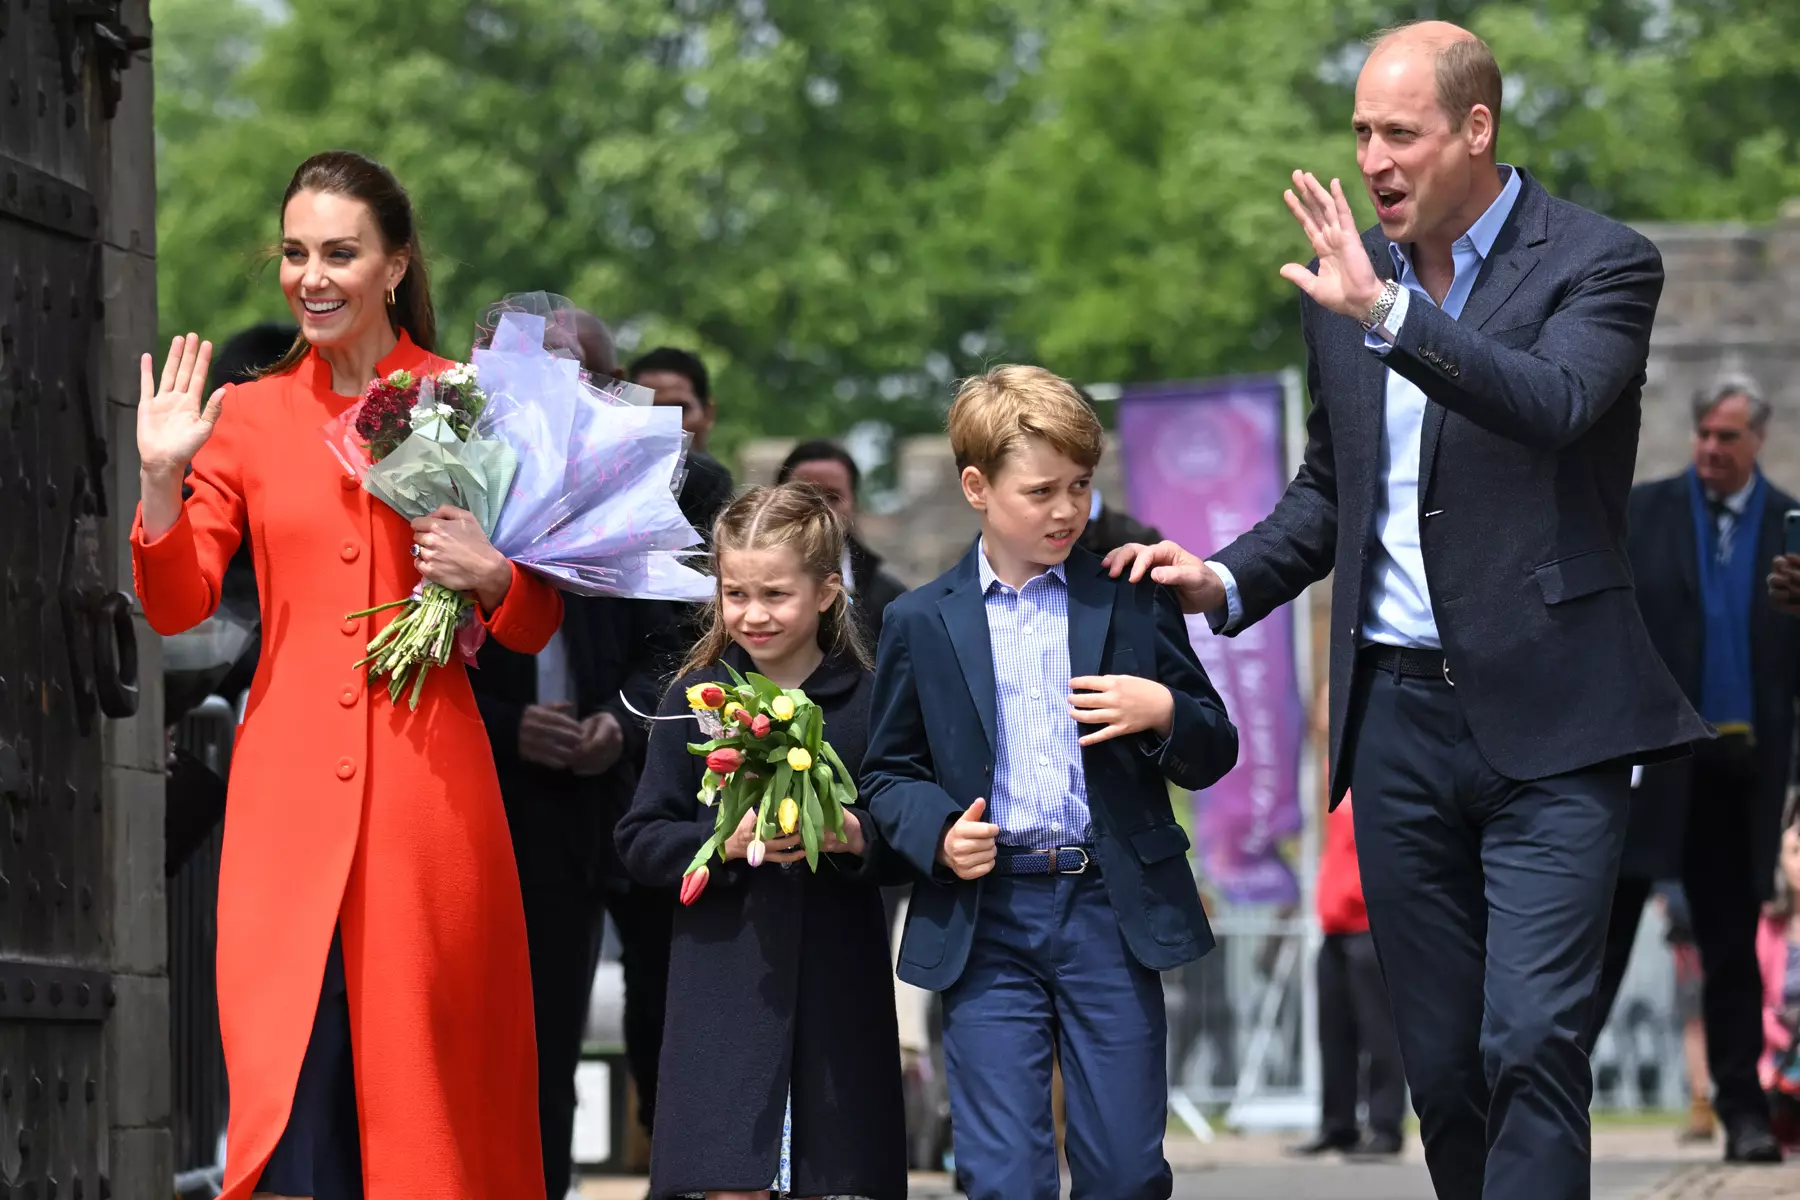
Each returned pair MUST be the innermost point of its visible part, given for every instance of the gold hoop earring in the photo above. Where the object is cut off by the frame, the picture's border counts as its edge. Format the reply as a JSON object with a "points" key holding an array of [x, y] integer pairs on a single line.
{"points": [[390, 297]]}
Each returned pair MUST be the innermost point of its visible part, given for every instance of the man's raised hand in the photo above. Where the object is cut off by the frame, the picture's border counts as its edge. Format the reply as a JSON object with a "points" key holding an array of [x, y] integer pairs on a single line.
{"points": [[1345, 281]]}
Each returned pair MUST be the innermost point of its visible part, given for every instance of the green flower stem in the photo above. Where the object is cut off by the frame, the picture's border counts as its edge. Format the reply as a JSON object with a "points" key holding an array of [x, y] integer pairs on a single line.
{"points": [[415, 641]]}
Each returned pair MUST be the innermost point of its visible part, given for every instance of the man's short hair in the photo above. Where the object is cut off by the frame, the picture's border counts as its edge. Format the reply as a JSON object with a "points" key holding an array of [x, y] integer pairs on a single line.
{"points": [[819, 450], [676, 362], [1724, 388], [1467, 73], [994, 413]]}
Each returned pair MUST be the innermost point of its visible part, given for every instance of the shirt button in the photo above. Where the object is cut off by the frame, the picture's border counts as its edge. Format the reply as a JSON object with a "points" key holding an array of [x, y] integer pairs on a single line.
{"points": [[346, 768], [1056, 825], [347, 697], [349, 552], [347, 483], [1043, 760], [1036, 694], [351, 626]]}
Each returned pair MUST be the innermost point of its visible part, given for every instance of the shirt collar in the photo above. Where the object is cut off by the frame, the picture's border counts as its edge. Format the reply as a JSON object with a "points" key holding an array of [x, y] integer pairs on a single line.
{"points": [[1484, 232], [986, 572], [1739, 499]]}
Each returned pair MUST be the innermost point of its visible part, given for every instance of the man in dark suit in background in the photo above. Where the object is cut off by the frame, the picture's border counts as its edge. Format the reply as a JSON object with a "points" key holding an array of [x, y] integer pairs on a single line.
{"points": [[829, 467], [680, 380], [1699, 544], [1475, 365], [568, 752]]}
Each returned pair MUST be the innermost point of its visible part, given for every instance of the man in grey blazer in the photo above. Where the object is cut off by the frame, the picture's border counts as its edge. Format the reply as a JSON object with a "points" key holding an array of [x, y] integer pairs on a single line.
{"points": [[1475, 365]]}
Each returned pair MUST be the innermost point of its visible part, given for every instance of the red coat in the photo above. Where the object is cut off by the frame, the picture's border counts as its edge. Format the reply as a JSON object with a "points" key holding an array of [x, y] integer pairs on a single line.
{"points": [[346, 811], [1341, 908]]}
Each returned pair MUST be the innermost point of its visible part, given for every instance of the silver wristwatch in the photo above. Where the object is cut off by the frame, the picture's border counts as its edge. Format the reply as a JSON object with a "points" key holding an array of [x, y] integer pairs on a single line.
{"points": [[1390, 293]]}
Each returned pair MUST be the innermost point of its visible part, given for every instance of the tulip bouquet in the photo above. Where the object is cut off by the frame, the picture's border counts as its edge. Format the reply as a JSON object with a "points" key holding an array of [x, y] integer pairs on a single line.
{"points": [[768, 752]]}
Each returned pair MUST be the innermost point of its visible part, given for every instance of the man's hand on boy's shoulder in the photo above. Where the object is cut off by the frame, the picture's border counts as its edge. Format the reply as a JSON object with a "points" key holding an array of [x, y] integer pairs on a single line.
{"points": [[968, 845], [1196, 585], [1120, 704]]}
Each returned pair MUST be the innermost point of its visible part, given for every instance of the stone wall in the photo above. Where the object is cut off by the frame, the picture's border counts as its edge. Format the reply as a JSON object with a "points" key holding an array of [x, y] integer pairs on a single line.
{"points": [[1731, 302]]}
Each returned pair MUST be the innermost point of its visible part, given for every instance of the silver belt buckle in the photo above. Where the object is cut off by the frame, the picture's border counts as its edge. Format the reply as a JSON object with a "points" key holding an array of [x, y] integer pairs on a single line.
{"points": [[1055, 857]]}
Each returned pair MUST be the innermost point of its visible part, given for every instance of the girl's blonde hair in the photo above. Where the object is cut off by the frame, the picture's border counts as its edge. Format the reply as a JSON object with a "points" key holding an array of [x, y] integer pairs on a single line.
{"points": [[764, 518]]}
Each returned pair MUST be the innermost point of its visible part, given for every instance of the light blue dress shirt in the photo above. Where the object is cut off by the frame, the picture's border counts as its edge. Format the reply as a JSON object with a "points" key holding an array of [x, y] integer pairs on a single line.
{"points": [[1040, 798], [1398, 609]]}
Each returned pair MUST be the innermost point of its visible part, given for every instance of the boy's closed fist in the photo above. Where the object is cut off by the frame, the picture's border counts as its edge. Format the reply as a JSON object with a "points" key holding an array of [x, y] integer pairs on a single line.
{"points": [[968, 845], [1120, 704]]}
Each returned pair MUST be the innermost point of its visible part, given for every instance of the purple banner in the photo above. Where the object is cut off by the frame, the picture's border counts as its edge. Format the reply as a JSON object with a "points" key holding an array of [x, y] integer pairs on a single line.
{"points": [[1203, 462]]}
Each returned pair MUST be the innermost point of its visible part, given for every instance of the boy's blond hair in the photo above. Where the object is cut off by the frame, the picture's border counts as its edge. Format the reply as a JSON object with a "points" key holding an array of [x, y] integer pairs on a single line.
{"points": [[994, 413]]}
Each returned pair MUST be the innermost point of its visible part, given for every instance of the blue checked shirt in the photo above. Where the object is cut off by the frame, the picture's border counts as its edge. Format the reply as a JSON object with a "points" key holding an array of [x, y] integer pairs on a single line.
{"points": [[1040, 798]]}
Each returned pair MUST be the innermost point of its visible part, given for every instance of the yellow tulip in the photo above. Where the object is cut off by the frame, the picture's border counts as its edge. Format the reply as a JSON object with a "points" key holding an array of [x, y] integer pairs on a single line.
{"points": [[735, 712], [790, 815], [782, 708], [799, 759]]}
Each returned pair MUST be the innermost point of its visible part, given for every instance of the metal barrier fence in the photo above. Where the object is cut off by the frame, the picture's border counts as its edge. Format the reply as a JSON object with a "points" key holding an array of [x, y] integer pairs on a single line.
{"points": [[199, 1100]]}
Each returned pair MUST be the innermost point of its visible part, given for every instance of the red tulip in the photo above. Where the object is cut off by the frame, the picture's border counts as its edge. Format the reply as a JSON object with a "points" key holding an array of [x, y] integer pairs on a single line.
{"points": [[712, 695], [725, 760], [692, 884], [760, 725]]}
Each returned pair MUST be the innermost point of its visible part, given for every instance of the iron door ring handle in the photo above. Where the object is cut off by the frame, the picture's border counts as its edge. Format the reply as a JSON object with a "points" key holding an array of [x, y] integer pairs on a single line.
{"points": [[116, 657]]}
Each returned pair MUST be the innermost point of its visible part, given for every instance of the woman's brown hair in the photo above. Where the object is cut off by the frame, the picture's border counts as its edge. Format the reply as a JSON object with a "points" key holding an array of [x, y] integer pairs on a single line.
{"points": [[347, 173], [764, 518]]}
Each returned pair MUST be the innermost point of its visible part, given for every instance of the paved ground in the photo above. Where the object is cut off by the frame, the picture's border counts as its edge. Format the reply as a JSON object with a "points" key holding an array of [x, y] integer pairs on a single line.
{"points": [[1629, 1164]]}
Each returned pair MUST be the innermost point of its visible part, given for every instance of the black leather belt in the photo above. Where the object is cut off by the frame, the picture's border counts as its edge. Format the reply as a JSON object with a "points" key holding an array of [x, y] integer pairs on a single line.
{"points": [[1406, 662], [1064, 860]]}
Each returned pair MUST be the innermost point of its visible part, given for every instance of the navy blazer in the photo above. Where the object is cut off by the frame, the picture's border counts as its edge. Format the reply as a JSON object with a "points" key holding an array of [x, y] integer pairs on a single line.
{"points": [[932, 746]]}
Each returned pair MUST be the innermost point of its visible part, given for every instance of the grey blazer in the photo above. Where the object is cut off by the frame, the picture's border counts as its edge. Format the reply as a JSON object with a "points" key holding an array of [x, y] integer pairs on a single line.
{"points": [[1526, 457]]}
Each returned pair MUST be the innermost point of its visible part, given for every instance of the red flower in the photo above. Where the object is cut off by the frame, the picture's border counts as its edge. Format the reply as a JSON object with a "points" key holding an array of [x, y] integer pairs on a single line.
{"points": [[383, 419], [713, 696], [759, 725], [725, 760], [692, 884]]}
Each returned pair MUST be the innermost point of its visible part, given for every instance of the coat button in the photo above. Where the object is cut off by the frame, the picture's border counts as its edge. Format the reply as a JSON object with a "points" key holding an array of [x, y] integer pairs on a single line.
{"points": [[351, 626], [347, 698], [347, 483], [346, 768], [350, 551]]}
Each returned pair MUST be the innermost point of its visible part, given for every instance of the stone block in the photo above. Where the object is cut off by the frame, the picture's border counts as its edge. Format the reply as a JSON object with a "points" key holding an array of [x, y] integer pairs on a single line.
{"points": [[141, 1164], [137, 1054], [125, 175], [137, 895]]}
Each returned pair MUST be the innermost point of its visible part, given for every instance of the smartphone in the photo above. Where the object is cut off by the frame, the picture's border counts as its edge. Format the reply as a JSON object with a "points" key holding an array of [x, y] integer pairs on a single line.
{"points": [[1790, 530]]}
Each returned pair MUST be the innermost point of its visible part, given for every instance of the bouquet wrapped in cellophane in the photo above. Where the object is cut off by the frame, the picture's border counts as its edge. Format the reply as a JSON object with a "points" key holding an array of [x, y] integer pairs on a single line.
{"points": [[766, 751], [568, 475]]}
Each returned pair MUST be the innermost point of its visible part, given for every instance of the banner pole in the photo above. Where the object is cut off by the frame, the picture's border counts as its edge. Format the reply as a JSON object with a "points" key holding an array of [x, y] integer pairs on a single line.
{"points": [[1311, 774]]}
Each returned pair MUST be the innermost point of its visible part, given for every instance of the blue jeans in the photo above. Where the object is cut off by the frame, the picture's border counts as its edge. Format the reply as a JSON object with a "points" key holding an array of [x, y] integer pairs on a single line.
{"points": [[1049, 974]]}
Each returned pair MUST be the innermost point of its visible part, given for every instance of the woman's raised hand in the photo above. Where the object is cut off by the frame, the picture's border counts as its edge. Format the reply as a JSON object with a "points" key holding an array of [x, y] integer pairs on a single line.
{"points": [[171, 423]]}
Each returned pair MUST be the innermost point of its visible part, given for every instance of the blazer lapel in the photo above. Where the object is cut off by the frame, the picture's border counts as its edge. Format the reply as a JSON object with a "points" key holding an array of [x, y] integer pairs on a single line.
{"points": [[1770, 542], [1091, 596], [1515, 255], [965, 618]]}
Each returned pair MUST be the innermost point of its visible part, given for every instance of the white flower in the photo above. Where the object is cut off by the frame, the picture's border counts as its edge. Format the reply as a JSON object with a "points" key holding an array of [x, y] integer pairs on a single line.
{"points": [[461, 375], [433, 421]]}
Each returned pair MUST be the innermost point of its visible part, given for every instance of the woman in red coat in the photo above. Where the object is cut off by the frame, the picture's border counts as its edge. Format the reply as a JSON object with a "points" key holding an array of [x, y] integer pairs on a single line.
{"points": [[374, 986]]}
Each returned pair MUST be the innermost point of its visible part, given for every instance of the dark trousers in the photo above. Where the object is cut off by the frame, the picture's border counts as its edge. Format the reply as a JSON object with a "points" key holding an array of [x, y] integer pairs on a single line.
{"points": [[562, 928], [1049, 977], [1722, 896], [1488, 898], [1359, 1051], [645, 920], [320, 1151]]}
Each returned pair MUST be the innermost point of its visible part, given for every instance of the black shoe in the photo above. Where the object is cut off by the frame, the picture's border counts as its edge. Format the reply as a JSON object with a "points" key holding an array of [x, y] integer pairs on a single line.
{"points": [[1325, 1143], [1751, 1142], [1377, 1147]]}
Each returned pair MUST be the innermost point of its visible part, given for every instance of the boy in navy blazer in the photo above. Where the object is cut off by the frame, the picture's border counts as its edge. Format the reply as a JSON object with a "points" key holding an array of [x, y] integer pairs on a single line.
{"points": [[1028, 714]]}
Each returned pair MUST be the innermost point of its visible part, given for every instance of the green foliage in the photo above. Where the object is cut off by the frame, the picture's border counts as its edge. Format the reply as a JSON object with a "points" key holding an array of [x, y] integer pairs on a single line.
{"points": [[843, 204]]}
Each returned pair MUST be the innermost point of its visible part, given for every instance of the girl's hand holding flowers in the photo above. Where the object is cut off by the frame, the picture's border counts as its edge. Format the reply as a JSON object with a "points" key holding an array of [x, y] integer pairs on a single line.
{"points": [[452, 551], [852, 842], [784, 849]]}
